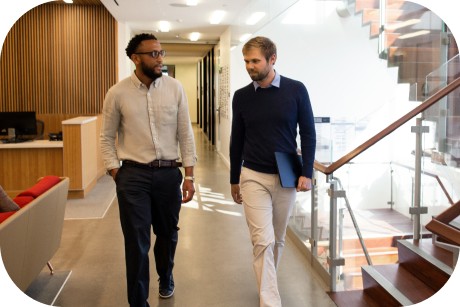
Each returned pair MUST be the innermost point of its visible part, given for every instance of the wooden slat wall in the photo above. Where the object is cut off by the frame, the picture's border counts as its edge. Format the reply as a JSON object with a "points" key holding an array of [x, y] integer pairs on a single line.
{"points": [[59, 59]]}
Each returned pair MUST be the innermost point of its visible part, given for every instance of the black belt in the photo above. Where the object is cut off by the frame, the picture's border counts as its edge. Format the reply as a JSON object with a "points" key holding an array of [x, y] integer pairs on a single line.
{"points": [[156, 163]]}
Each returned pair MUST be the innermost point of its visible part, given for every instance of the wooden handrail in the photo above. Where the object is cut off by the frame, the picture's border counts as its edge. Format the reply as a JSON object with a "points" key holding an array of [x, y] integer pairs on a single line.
{"points": [[439, 225], [379, 136], [449, 214], [448, 233]]}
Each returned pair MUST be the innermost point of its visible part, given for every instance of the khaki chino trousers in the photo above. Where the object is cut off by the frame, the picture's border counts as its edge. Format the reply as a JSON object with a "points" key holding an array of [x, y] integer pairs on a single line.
{"points": [[267, 207]]}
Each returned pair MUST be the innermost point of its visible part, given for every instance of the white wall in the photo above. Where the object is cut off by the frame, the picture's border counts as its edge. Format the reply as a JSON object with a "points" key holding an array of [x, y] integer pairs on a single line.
{"points": [[346, 80], [337, 62], [125, 65]]}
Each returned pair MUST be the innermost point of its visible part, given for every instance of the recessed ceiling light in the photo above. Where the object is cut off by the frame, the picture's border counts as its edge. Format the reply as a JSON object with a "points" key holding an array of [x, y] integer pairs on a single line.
{"points": [[194, 36], [255, 18], [217, 17], [68, 1], [191, 2], [165, 26]]}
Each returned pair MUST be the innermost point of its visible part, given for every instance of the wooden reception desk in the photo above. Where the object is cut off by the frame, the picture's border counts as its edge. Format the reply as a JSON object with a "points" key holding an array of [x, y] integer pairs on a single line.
{"points": [[21, 164], [80, 152]]}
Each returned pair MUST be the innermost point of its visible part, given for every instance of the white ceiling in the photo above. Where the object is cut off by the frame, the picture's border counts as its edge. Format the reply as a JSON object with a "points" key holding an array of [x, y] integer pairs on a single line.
{"points": [[144, 16]]}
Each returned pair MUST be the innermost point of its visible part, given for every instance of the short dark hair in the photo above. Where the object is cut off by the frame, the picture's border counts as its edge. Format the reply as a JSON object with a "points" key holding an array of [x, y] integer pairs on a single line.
{"points": [[266, 46], [136, 41]]}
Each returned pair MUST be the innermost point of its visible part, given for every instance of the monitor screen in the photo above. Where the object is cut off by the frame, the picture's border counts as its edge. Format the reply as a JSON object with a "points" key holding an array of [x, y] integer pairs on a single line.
{"points": [[23, 123]]}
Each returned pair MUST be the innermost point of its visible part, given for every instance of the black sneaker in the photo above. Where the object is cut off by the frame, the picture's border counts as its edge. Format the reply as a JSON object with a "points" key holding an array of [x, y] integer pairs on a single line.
{"points": [[167, 288]]}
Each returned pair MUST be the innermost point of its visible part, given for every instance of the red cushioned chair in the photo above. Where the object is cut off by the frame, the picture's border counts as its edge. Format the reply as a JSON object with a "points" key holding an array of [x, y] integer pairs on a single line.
{"points": [[5, 215], [21, 201], [43, 185]]}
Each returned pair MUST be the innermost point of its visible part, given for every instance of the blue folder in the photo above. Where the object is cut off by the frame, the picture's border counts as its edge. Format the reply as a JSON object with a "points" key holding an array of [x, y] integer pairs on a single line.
{"points": [[289, 168]]}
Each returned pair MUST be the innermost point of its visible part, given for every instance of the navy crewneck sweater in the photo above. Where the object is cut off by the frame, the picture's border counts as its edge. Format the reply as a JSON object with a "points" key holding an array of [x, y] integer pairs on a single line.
{"points": [[265, 121]]}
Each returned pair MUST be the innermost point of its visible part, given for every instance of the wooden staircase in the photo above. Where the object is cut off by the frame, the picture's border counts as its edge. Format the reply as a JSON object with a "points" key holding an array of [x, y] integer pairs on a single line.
{"points": [[419, 56], [381, 251], [416, 57], [423, 268], [421, 271]]}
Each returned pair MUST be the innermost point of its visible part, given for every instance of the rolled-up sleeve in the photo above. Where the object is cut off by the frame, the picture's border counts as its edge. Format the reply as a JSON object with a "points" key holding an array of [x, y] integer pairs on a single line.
{"points": [[185, 132], [108, 135]]}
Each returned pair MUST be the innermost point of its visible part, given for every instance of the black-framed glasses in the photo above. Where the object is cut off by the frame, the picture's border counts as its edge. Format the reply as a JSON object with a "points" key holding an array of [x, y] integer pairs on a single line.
{"points": [[154, 54]]}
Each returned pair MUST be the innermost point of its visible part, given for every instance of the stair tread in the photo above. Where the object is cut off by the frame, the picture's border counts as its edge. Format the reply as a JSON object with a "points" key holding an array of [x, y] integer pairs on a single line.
{"points": [[439, 253], [371, 250], [355, 298], [354, 263], [409, 285], [423, 259], [373, 242], [351, 267]]}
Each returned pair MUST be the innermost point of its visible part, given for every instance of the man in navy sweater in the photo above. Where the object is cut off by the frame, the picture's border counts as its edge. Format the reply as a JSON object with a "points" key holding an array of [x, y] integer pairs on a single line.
{"points": [[266, 115]]}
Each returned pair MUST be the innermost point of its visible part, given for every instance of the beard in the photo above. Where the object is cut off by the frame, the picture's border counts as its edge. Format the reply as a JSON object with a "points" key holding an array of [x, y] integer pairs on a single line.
{"points": [[150, 72], [258, 76]]}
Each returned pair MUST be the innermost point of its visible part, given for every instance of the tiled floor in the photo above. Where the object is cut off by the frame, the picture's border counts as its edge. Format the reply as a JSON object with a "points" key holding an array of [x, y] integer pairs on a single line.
{"points": [[213, 258]]}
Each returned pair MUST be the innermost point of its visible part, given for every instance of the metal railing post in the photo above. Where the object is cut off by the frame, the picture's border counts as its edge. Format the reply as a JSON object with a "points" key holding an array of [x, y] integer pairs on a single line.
{"points": [[314, 217], [333, 260], [417, 209], [340, 241], [391, 201], [343, 194], [383, 53]]}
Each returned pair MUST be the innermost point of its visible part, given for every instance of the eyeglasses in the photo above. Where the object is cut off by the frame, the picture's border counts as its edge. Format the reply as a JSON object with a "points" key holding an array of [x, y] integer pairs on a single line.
{"points": [[155, 54]]}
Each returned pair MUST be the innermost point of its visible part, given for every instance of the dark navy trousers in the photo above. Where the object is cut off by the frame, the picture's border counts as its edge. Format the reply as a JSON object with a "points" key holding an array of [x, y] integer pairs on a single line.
{"points": [[148, 198]]}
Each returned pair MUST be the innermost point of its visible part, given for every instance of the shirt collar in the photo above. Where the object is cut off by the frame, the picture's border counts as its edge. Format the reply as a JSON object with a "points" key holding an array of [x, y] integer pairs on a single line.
{"points": [[275, 82], [139, 84]]}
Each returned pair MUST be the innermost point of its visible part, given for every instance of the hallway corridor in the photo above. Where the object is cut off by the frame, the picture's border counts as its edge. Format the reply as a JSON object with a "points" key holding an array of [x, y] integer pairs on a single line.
{"points": [[213, 259]]}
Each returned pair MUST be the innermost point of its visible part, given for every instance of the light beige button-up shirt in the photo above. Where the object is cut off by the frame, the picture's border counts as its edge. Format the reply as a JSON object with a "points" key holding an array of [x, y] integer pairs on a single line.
{"points": [[151, 123]]}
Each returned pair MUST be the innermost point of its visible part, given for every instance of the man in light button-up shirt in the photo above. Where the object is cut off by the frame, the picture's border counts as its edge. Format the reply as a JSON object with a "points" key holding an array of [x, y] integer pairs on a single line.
{"points": [[146, 125]]}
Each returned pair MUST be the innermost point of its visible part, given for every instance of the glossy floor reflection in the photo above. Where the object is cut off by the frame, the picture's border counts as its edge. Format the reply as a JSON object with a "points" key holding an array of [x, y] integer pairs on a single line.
{"points": [[213, 258]]}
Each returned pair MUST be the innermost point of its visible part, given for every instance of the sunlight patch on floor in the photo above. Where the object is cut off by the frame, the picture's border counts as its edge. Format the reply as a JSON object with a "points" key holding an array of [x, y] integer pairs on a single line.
{"points": [[206, 200]]}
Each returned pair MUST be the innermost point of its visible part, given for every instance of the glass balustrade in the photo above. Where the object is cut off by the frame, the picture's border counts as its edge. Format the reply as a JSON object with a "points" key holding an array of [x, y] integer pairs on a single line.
{"points": [[355, 215], [444, 117], [378, 186]]}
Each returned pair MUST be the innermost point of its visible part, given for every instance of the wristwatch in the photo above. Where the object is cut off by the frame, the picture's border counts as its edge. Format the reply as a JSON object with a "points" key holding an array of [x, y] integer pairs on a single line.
{"points": [[192, 178]]}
